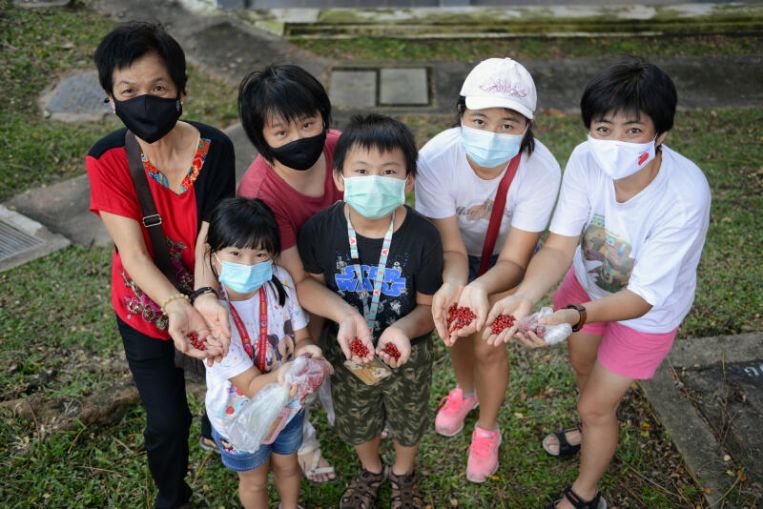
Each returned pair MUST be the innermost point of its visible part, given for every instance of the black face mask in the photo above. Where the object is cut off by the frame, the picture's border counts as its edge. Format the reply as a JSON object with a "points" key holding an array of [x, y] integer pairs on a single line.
{"points": [[300, 154], [149, 117]]}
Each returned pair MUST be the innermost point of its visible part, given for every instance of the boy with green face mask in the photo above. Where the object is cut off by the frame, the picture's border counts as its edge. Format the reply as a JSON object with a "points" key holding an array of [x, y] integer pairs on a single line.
{"points": [[385, 259]]}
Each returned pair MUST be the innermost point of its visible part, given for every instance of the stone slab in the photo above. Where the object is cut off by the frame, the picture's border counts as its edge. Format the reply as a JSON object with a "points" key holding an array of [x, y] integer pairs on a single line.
{"points": [[353, 88], [401, 86], [245, 151], [64, 209], [41, 4], [76, 98], [708, 396], [43, 241]]}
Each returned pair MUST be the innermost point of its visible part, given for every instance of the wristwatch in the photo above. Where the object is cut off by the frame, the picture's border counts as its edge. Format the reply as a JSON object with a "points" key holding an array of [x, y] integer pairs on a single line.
{"points": [[201, 291], [580, 309]]}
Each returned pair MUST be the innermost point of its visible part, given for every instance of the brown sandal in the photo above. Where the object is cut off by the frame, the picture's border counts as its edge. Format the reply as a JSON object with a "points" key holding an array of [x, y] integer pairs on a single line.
{"points": [[405, 494], [361, 493]]}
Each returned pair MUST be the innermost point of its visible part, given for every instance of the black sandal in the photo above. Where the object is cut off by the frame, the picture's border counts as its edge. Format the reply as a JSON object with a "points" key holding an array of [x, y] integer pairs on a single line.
{"points": [[565, 448], [597, 502], [405, 494], [361, 493]]}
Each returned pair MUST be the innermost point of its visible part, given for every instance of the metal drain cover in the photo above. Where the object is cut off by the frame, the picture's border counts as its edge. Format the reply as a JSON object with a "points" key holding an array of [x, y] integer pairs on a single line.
{"points": [[13, 241], [23, 239]]}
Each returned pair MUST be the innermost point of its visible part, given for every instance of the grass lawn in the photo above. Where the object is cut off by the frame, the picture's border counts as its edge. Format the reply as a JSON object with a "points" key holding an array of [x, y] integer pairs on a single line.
{"points": [[474, 50], [59, 337]]}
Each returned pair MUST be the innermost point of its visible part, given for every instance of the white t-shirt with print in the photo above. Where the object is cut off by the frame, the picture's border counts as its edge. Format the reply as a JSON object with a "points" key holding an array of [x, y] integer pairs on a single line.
{"points": [[650, 244], [223, 400], [447, 186]]}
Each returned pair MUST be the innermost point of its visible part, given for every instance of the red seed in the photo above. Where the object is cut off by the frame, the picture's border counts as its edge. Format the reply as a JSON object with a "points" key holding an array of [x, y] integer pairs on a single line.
{"points": [[358, 349], [459, 317], [391, 350], [501, 323], [195, 341]]}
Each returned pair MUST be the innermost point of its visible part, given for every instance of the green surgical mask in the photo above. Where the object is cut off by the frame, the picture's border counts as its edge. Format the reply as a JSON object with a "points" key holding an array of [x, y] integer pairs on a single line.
{"points": [[374, 197]]}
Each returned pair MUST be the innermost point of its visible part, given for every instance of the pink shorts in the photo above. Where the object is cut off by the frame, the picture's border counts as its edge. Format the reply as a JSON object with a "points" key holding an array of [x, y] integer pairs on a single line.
{"points": [[623, 350]]}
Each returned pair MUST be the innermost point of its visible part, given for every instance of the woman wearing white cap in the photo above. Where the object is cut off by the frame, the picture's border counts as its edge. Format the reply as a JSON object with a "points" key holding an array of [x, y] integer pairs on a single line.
{"points": [[489, 188]]}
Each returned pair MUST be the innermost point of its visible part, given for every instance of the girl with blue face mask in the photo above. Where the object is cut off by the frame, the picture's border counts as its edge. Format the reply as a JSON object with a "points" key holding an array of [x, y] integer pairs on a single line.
{"points": [[268, 330], [489, 187]]}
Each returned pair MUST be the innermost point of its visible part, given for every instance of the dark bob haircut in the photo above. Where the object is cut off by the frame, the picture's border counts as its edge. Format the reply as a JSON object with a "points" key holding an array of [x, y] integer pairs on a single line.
{"points": [[383, 133], [631, 85], [244, 223], [284, 90], [133, 40]]}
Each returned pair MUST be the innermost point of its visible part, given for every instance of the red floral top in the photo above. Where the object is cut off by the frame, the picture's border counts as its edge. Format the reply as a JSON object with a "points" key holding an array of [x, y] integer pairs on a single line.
{"points": [[193, 171]]}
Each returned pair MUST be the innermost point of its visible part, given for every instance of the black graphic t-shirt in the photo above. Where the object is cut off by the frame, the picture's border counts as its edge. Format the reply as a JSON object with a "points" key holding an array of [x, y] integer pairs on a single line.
{"points": [[414, 263]]}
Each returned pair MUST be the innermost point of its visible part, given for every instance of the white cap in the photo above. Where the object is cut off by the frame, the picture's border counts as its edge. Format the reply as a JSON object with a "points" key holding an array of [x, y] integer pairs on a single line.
{"points": [[500, 83]]}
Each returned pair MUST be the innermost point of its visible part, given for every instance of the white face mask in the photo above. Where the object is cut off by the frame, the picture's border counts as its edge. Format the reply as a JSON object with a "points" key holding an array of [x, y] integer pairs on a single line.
{"points": [[621, 159]]}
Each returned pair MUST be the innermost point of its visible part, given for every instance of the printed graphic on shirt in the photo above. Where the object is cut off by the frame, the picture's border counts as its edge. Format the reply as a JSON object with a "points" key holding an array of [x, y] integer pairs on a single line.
{"points": [[346, 279], [601, 245], [476, 212], [140, 304], [393, 286]]}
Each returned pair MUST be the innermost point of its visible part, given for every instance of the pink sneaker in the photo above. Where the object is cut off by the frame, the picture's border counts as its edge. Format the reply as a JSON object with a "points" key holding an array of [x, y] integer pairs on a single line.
{"points": [[450, 418], [483, 454]]}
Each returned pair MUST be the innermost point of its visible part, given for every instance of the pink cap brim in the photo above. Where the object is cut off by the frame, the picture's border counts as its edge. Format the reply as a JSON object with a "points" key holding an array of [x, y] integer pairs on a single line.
{"points": [[485, 102]]}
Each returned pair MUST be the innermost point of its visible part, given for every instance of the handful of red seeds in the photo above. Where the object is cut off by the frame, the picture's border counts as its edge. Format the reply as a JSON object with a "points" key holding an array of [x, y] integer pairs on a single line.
{"points": [[358, 348], [501, 323], [459, 317], [392, 350], [196, 342]]}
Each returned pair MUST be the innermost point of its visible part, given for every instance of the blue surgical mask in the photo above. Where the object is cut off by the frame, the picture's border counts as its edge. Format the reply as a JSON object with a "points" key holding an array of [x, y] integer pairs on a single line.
{"points": [[374, 197], [489, 149], [242, 278]]}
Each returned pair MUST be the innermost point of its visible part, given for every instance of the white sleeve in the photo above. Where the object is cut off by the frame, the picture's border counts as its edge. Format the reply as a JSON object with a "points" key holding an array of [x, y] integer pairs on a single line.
{"points": [[236, 362], [299, 318], [573, 209], [664, 254], [433, 198], [536, 198]]}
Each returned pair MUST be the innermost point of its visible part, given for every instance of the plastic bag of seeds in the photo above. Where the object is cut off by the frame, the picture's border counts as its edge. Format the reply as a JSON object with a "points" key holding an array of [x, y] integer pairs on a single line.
{"points": [[551, 334]]}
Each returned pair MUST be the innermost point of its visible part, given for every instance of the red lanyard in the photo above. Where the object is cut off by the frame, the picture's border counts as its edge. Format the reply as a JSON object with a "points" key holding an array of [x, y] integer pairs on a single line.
{"points": [[263, 344]]}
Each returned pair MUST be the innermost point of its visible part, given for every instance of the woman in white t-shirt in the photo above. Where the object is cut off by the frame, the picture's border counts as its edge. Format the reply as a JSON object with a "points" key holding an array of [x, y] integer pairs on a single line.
{"points": [[631, 222], [460, 176]]}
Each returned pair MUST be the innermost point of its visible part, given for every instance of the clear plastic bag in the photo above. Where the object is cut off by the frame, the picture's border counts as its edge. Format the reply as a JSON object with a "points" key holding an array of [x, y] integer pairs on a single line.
{"points": [[306, 375], [255, 421], [264, 416], [551, 334]]}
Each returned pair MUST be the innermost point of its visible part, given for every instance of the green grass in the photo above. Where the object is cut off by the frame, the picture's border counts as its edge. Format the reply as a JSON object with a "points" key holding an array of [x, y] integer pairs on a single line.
{"points": [[38, 46], [474, 50], [59, 338]]}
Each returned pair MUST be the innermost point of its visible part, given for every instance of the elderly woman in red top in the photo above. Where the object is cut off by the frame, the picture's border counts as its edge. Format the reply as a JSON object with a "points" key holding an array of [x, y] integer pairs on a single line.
{"points": [[189, 168]]}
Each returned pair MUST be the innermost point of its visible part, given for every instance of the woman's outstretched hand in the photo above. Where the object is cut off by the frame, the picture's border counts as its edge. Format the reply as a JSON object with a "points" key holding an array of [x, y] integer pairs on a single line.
{"points": [[513, 305], [443, 299]]}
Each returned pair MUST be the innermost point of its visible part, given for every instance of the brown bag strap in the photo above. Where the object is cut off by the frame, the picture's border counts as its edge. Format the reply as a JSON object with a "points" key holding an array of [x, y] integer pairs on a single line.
{"points": [[151, 218]]}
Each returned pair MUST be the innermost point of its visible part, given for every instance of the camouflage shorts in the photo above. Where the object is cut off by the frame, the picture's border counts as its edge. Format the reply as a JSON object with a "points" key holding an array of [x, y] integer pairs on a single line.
{"points": [[400, 400]]}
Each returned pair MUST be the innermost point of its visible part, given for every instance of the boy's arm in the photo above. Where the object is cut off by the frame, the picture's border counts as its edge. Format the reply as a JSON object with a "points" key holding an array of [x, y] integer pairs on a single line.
{"points": [[416, 323], [318, 299]]}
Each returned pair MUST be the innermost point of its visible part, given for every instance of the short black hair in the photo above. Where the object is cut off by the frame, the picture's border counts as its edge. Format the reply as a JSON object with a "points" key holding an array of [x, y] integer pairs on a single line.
{"points": [[528, 142], [243, 223], [133, 40], [284, 90], [633, 85], [381, 132]]}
